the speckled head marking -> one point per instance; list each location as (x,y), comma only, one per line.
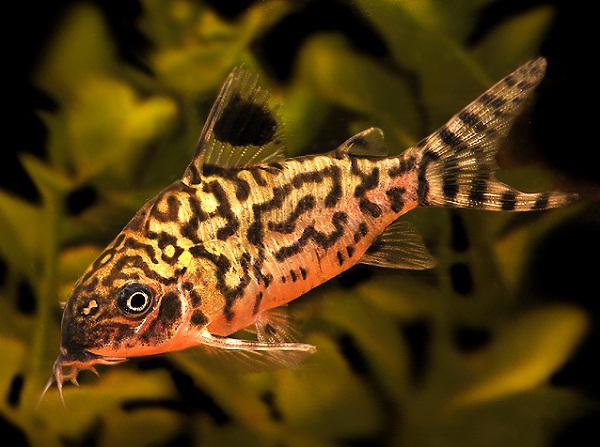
(128,301)
(246,231)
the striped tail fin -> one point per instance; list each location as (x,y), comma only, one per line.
(456,163)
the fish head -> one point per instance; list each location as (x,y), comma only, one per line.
(125,305)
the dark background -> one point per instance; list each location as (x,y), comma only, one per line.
(563,129)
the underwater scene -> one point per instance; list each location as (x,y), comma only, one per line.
(387,292)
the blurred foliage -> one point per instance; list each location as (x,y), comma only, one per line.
(127,133)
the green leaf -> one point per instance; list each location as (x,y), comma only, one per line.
(329,67)
(102,398)
(13,353)
(47,179)
(524,354)
(528,419)
(377,335)
(199,63)
(108,126)
(153,426)
(325,397)
(448,76)
(20,232)
(233,390)
(82,49)
(514,41)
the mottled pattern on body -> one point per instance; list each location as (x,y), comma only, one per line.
(246,230)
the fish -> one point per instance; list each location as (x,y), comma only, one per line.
(246,230)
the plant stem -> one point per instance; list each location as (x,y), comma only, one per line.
(46,294)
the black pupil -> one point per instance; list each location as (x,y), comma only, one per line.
(137,300)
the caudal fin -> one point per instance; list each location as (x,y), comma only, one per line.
(456,163)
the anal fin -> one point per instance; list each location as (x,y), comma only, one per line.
(400,246)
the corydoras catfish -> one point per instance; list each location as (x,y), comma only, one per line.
(246,230)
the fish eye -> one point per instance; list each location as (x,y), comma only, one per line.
(134,299)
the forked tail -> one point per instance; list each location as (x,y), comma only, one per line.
(456,163)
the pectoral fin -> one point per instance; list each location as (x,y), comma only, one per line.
(263,352)
(400,246)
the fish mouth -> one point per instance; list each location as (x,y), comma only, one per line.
(67,367)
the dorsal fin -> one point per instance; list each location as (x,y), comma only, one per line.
(400,246)
(369,142)
(242,128)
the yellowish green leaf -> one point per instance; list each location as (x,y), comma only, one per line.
(524,354)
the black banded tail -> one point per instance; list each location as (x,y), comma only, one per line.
(456,164)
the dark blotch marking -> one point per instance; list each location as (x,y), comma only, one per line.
(508,200)
(323,240)
(449,183)
(242,187)
(423,184)
(368,207)
(136,261)
(170,215)
(189,229)
(541,202)
(264,278)
(362,231)
(256,175)
(136,245)
(350,250)
(369,181)
(198,318)
(255,231)
(293,275)
(340,257)
(166,240)
(404,165)
(396,197)
(448,137)
(335,194)
(305,204)
(169,314)
(479,187)
(303,272)
(257,301)
(223,265)
(491,100)
(244,123)
(472,120)
(195,298)
(223,210)
(194,175)
(510,80)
